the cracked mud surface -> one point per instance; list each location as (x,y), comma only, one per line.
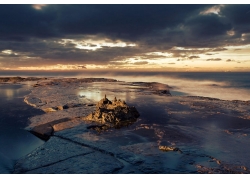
(211,134)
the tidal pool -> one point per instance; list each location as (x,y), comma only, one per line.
(15,142)
(212,137)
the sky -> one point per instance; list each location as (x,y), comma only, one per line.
(156,37)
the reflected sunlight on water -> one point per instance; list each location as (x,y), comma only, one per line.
(15,142)
(207,88)
(227,86)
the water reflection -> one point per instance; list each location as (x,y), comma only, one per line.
(9,91)
(165,121)
(96,91)
(222,88)
(90,94)
(14,113)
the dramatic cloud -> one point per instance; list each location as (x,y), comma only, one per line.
(90,36)
(239,16)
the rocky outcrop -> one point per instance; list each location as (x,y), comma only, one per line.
(19,79)
(110,114)
(113,113)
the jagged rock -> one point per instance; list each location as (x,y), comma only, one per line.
(168,148)
(113,113)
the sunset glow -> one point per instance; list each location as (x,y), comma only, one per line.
(197,38)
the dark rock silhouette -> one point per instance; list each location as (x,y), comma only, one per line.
(19,79)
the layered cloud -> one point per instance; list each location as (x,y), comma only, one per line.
(104,36)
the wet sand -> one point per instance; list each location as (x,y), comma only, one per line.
(211,134)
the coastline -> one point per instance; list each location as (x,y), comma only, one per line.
(190,123)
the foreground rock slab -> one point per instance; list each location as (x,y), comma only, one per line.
(54,151)
(94,163)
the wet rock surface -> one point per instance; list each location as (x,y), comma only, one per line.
(172,134)
(54,151)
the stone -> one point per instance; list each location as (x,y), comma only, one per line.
(60,107)
(113,113)
(168,148)
(48,110)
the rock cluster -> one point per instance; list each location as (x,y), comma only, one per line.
(113,113)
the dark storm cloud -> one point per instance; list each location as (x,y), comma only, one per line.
(19,22)
(239,16)
(206,26)
(120,21)
(36,33)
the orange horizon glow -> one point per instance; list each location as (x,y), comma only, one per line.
(228,58)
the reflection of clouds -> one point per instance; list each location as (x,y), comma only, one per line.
(8,93)
(207,88)
(93,95)
(97,91)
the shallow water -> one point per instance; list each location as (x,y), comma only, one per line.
(14,113)
(200,138)
(165,121)
(222,85)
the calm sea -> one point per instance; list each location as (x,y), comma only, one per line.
(222,85)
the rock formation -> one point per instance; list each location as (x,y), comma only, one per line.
(113,113)
(168,148)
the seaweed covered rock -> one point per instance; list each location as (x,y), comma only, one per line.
(113,113)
